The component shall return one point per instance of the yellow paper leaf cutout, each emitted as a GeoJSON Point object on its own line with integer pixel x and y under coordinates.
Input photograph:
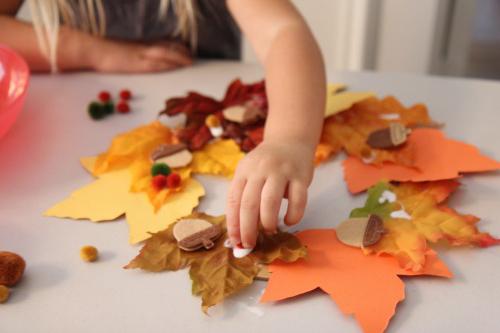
{"type": "Point", "coordinates": [105, 199]}
{"type": "Point", "coordinates": [143, 220]}
{"type": "Point", "coordinates": [109, 197]}
{"type": "Point", "coordinates": [219, 158]}
{"type": "Point", "coordinates": [338, 100]}
{"type": "Point", "coordinates": [131, 146]}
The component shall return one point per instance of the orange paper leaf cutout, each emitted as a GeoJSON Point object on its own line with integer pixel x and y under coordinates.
{"type": "Point", "coordinates": [350, 129]}
{"type": "Point", "coordinates": [367, 287]}
{"type": "Point", "coordinates": [435, 158]}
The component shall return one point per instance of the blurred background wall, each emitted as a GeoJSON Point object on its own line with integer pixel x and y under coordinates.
{"type": "Point", "coordinates": [444, 37]}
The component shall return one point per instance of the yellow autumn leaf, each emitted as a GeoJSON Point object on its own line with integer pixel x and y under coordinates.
{"type": "Point", "coordinates": [131, 146]}
{"type": "Point", "coordinates": [216, 274]}
{"type": "Point", "coordinates": [109, 197]}
{"type": "Point", "coordinates": [429, 221]}
{"type": "Point", "coordinates": [218, 158]}
{"type": "Point", "coordinates": [142, 182]}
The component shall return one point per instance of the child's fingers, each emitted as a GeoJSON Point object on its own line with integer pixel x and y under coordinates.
{"type": "Point", "coordinates": [297, 199]}
{"type": "Point", "coordinates": [233, 209]}
{"type": "Point", "coordinates": [249, 212]}
{"type": "Point", "coordinates": [272, 194]}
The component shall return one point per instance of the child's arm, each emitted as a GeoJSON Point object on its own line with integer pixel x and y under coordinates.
{"type": "Point", "coordinates": [282, 165]}
{"type": "Point", "coordinates": [78, 50]}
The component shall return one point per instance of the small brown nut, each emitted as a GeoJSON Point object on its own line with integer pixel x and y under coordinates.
{"type": "Point", "coordinates": [4, 294]}
{"type": "Point", "coordinates": [393, 136]}
{"type": "Point", "coordinates": [89, 253]}
{"type": "Point", "coordinates": [194, 234]}
{"type": "Point", "coordinates": [11, 268]}
{"type": "Point", "coordinates": [175, 156]}
{"type": "Point", "coordinates": [361, 232]}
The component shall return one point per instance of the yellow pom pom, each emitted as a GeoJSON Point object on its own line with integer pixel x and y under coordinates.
{"type": "Point", "coordinates": [212, 121]}
{"type": "Point", "coordinates": [4, 294]}
{"type": "Point", "coordinates": [88, 253]}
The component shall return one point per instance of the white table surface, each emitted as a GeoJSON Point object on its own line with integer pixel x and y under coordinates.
{"type": "Point", "coordinates": [60, 293]}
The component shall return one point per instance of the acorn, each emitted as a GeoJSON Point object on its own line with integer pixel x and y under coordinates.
{"type": "Point", "coordinates": [393, 136]}
{"type": "Point", "coordinates": [194, 234]}
{"type": "Point", "coordinates": [361, 232]}
{"type": "Point", "coordinates": [174, 155]}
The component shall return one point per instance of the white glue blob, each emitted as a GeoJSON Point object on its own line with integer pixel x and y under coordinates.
{"type": "Point", "coordinates": [387, 196]}
{"type": "Point", "coordinates": [370, 159]}
{"type": "Point", "coordinates": [237, 252]}
{"type": "Point", "coordinates": [400, 214]}
{"type": "Point", "coordinates": [216, 131]}
{"type": "Point", "coordinates": [389, 116]}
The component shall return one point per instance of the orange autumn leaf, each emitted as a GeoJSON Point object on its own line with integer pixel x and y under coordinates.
{"type": "Point", "coordinates": [131, 146]}
{"type": "Point", "coordinates": [435, 157]}
{"type": "Point", "coordinates": [142, 182]}
{"type": "Point", "coordinates": [429, 221]}
{"type": "Point", "coordinates": [367, 287]}
{"type": "Point", "coordinates": [350, 129]}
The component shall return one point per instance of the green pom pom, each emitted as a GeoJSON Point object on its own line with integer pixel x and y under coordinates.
{"type": "Point", "coordinates": [108, 107]}
{"type": "Point", "coordinates": [160, 169]}
{"type": "Point", "coordinates": [96, 111]}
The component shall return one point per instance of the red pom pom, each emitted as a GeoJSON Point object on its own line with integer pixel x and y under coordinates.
{"type": "Point", "coordinates": [159, 182]}
{"type": "Point", "coordinates": [104, 96]}
{"type": "Point", "coordinates": [173, 180]}
{"type": "Point", "coordinates": [123, 107]}
{"type": "Point", "coordinates": [125, 94]}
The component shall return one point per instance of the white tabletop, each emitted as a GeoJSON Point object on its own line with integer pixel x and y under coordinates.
{"type": "Point", "coordinates": [39, 166]}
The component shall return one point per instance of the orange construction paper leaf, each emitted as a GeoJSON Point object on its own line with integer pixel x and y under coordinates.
{"type": "Point", "coordinates": [426, 219]}
{"type": "Point", "coordinates": [367, 287]}
{"type": "Point", "coordinates": [350, 129]}
{"type": "Point", "coordinates": [218, 158]}
{"type": "Point", "coordinates": [131, 146]}
{"type": "Point", "coordinates": [435, 158]}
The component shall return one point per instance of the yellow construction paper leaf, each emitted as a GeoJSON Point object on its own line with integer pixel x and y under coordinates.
{"type": "Point", "coordinates": [109, 197]}
{"type": "Point", "coordinates": [338, 100]}
{"type": "Point", "coordinates": [131, 146]}
{"type": "Point", "coordinates": [105, 199]}
{"type": "Point", "coordinates": [216, 274]}
{"type": "Point", "coordinates": [219, 158]}
{"type": "Point", "coordinates": [143, 220]}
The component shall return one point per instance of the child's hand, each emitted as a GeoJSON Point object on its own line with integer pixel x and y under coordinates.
{"type": "Point", "coordinates": [263, 178]}
{"type": "Point", "coordinates": [116, 56]}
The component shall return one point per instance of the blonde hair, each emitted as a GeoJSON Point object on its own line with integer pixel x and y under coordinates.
{"type": "Point", "coordinates": [48, 15]}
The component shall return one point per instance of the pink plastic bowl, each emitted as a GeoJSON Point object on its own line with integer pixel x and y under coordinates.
{"type": "Point", "coordinates": [14, 78]}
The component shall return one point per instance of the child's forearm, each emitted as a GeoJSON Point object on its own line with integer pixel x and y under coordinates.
{"type": "Point", "coordinates": [294, 67]}
{"type": "Point", "coordinates": [72, 53]}
{"type": "Point", "coordinates": [295, 86]}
